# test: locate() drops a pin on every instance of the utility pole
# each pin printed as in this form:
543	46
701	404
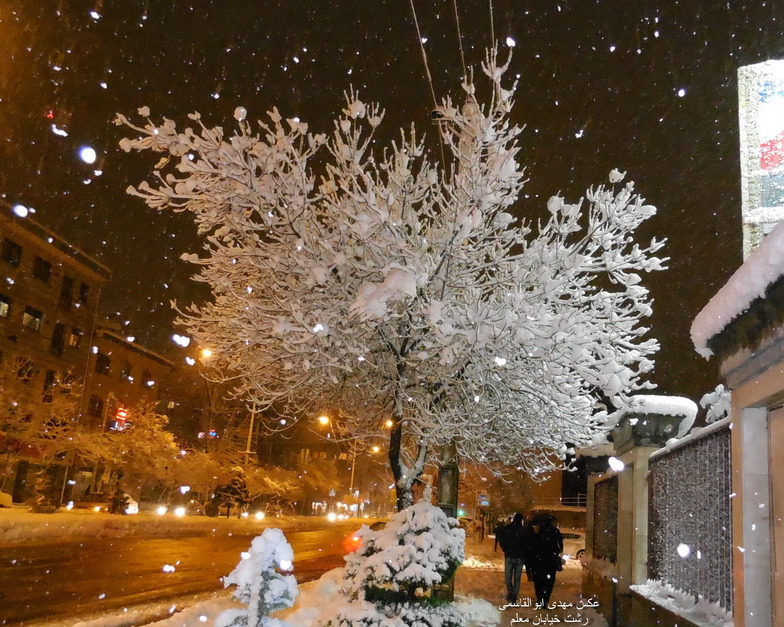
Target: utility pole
248	451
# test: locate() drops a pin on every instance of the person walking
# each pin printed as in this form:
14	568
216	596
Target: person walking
498	530
514	544
546	549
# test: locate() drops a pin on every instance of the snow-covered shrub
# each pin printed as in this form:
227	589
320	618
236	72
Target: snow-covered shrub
390	578
259	584
717	404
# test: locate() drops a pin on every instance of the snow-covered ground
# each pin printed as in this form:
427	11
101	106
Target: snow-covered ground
479	586
479	583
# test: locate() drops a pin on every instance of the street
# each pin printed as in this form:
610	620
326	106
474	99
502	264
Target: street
88	576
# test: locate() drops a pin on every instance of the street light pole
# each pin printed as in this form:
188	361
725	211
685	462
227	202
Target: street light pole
353	466
250	435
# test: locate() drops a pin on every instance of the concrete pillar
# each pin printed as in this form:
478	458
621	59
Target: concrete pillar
751	518
633	518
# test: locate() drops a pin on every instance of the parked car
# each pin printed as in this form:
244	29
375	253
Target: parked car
466	524
574	544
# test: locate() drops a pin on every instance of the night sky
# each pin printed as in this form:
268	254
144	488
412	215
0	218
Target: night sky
647	87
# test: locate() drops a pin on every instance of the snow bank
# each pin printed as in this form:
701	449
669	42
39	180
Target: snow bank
18	525
699	611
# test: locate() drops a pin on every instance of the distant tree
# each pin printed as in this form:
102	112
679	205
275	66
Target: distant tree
232	495
145	451
508	489
200	471
396	287
43	422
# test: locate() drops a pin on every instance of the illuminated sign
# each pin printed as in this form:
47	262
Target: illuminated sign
761	107
120	419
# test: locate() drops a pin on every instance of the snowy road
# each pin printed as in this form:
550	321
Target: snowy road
95	575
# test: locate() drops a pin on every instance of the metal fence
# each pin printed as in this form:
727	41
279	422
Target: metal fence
689	517
605	520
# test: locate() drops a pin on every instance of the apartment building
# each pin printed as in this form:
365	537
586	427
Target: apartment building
49	293
121	375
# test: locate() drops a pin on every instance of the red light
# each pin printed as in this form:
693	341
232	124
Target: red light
50	114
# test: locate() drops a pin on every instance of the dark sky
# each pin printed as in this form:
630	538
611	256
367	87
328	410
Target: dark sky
647	87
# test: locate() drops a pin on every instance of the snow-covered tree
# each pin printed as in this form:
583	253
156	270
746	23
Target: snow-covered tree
392	285
145	451
717	404
259	584
390	577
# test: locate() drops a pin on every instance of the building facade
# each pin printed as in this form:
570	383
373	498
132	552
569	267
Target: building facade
122	374
49	294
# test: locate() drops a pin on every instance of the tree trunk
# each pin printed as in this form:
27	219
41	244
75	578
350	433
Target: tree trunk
404	476
403	494
447	481
447	484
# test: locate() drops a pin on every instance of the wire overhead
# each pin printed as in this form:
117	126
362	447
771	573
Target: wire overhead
460	40
424	54
492	25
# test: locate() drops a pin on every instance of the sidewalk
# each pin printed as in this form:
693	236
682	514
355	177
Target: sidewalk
482	576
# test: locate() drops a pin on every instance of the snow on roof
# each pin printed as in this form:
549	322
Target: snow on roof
658	404
763	267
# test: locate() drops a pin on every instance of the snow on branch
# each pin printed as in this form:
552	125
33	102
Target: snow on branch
386	284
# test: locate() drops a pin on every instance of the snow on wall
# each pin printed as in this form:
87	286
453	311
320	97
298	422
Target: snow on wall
763	267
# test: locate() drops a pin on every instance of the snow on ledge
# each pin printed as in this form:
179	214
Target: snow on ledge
664	405
763	267
699	611
696	434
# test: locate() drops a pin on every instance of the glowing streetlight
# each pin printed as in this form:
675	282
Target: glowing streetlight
206	353
323	420
388	424
87	154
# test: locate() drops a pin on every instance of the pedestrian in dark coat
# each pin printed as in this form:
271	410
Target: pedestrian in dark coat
514	544
546	549
498	530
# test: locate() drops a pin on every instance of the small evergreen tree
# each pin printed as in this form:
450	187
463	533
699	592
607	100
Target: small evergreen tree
390	578
259	584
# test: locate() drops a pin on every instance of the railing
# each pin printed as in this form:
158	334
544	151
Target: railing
579	500
689	516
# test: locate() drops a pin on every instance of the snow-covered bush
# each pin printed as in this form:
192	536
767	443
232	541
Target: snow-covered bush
390	578
259	584
717	403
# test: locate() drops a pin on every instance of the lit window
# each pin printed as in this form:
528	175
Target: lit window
32	318
5	306
75	339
